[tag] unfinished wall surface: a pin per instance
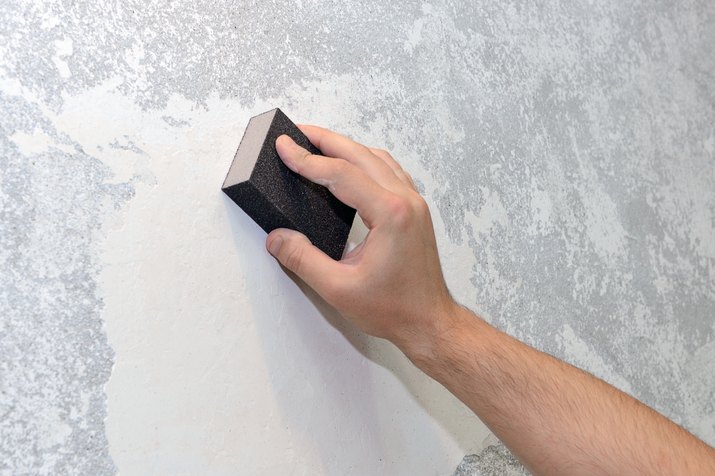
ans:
(567, 152)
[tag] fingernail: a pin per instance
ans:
(275, 246)
(289, 150)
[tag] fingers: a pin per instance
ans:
(336, 145)
(394, 165)
(386, 157)
(294, 251)
(347, 182)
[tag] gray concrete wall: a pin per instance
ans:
(567, 151)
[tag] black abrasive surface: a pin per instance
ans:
(276, 197)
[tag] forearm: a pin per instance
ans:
(556, 418)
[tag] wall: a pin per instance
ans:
(567, 153)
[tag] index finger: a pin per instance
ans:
(344, 180)
(336, 145)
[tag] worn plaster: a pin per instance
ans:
(567, 152)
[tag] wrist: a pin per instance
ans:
(427, 345)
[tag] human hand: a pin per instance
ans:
(391, 285)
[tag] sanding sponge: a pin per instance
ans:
(276, 197)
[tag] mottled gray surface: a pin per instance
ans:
(54, 357)
(494, 460)
(582, 132)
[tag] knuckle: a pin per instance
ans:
(302, 153)
(293, 258)
(406, 210)
(383, 153)
(399, 210)
(299, 160)
(305, 158)
(337, 170)
(404, 178)
(419, 204)
(306, 163)
(340, 167)
(308, 157)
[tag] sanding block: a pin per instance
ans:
(276, 197)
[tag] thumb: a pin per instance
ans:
(295, 251)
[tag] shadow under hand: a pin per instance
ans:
(332, 402)
(436, 401)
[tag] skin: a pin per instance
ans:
(556, 418)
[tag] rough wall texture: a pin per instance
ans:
(567, 150)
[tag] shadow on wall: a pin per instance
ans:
(352, 412)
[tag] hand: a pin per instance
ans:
(391, 285)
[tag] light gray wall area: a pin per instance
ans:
(574, 144)
(54, 356)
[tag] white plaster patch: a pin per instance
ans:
(92, 107)
(702, 222)
(414, 35)
(492, 213)
(222, 361)
(458, 261)
(49, 21)
(603, 224)
(63, 49)
(134, 58)
(37, 142)
(604, 228)
(541, 210)
(54, 430)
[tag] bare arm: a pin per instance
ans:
(554, 417)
